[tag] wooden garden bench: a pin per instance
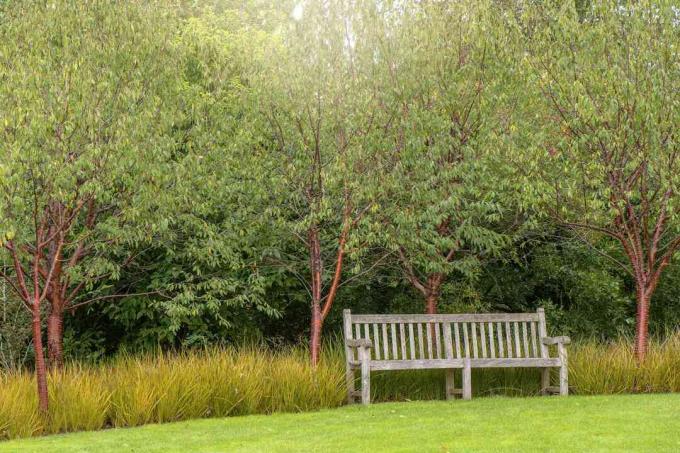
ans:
(450, 341)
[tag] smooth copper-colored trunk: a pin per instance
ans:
(642, 326)
(316, 268)
(55, 338)
(315, 334)
(40, 366)
(431, 303)
(434, 284)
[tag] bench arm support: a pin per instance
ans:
(363, 347)
(548, 341)
(561, 343)
(359, 343)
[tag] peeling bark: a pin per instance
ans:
(40, 366)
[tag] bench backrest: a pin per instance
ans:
(449, 336)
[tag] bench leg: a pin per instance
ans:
(564, 370)
(349, 379)
(365, 357)
(450, 384)
(564, 381)
(467, 380)
(545, 380)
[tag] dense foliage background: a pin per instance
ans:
(224, 125)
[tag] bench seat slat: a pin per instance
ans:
(382, 365)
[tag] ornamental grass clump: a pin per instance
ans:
(218, 382)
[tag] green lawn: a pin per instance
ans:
(601, 423)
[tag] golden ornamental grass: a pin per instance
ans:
(219, 382)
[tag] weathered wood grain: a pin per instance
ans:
(534, 341)
(457, 338)
(514, 341)
(450, 384)
(448, 346)
(492, 343)
(402, 337)
(376, 337)
(482, 337)
(349, 355)
(467, 380)
(473, 328)
(463, 317)
(386, 354)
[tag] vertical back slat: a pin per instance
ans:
(525, 341)
(492, 343)
(474, 339)
(386, 354)
(542, 332)
(507, 338)
(499, 332)
(347, 325)
(518, 351)
(465, 340)
(457, 338)
(367, 336)
(533, 339)
(482, 337)
(376, 338)
(448, 347)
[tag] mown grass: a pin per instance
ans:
(159, 388)
(578, 423)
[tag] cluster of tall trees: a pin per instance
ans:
(219, 167)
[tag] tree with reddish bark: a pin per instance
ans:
(444, 81)
(311, 97)
(608, 162)
(84, 158)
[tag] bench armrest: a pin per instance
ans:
(359, 343)
(555, 340)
